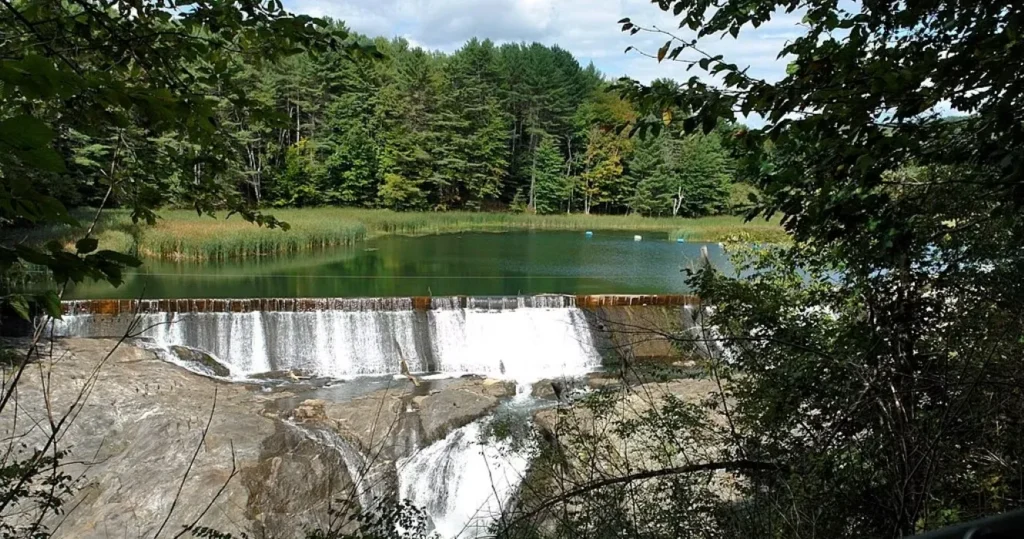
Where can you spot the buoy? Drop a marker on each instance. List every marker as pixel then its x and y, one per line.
pixel 589 233
pixel 680 240
pixel 637 238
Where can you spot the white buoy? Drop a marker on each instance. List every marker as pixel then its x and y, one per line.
pixel 637 238
pixel 589 233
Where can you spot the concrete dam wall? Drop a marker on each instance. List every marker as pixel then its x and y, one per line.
pixel 524 338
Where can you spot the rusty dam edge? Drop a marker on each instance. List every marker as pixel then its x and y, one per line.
pixel 226 305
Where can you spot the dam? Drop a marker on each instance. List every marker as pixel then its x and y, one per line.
pixel 524 338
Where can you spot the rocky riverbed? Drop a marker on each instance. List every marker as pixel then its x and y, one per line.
pixel 268 463
pixel 156 446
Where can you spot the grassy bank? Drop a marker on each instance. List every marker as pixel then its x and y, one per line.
pixel 182 235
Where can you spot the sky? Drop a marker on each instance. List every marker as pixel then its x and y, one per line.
pixel 586 28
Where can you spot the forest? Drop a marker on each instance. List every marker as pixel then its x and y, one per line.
pixel 488 127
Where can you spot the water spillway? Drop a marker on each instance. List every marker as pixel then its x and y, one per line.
pixel 525 338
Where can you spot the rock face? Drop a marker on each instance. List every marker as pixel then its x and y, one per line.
pixel 267 474
pixel 135 435
pixel 385 419
pixel 391 423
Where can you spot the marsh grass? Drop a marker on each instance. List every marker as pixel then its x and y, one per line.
pixel 183 235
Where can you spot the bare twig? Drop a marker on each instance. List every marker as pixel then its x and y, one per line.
pixel 191 462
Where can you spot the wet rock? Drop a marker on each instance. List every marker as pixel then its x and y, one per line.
pixel 452 408
pixel 569 389
pixel 200 361
pixel 383 419
pixel 287 374
pixel 603 381
pixel 556 390
pixel 637 400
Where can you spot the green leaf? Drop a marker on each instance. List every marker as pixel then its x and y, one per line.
pixel 708 123
pixel 50 303
pixel 20 306
pixel 28 138
pixel 86 245
pixel 24 133
pixel 32 256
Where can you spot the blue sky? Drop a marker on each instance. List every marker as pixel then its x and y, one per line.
pixel 587 28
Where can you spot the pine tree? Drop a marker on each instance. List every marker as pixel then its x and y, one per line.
pixel 551 186
pixel 701 176
pixel 650 174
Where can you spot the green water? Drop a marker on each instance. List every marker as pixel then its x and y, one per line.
pixel 477 264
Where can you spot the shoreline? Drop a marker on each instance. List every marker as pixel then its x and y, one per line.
pixel 182 236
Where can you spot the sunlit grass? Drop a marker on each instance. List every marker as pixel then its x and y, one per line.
pixel 183 235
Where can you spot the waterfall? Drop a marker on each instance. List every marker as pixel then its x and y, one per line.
pixel 519 338
pixel 461 482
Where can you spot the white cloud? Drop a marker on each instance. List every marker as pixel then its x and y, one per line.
pixel 588 29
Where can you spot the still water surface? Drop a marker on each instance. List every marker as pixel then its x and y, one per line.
pixel 477 264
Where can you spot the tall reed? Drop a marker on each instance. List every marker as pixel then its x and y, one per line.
pixel 182 235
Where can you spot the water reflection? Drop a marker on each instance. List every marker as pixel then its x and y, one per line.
pixel 451 264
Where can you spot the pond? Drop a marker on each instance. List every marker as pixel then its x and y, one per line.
pixel 475 264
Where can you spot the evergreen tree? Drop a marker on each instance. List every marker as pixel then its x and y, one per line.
pixel 650 175
pixel 551 186
pixel 700 177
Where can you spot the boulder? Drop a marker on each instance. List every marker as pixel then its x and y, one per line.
pixel 199 361
pixel 455 407
pixel 310 410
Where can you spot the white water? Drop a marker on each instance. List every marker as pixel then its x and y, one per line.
pixel 522 344
pixel 462 484
pixel 498 338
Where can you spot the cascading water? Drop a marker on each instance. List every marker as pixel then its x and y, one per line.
pixel 525 339
pixel 522 344
pixel 462 482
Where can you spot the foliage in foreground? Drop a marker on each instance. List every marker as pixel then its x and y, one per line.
pixel 875 361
